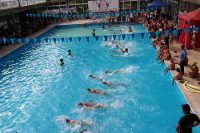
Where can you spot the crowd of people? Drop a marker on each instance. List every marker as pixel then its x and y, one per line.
pixel 26 27
pixel 164 44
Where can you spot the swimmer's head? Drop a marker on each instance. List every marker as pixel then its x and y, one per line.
pixel 61 60
pixel 69 51
pixel 67 120
pixel 80 104
pixel 126 50
pixel 91 76
pixel 89 89
pixel 93 29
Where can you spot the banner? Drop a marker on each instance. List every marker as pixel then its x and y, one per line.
pixel 103 5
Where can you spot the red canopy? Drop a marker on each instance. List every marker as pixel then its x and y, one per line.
pixel 193 17
pixel 186 21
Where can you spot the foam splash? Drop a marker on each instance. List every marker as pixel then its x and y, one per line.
pixel 117 104
pixel 60 118
pixel 127 69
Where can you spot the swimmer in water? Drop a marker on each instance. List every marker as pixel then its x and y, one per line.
pixel 115 43
pixel 84 130
pixel 69 52
pixel 122 50
pixel 61 62
pixel 94 77
pixel 73 122
pixel 90 105
pixel 115 71
pixel 93 32
pixel 95 91
pixel 78 122
pixel 130 29
pixel 109 84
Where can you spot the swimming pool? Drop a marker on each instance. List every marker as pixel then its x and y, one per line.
pixel 36 92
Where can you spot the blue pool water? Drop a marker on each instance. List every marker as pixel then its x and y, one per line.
pixel 36 93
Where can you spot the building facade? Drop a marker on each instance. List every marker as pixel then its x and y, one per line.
pixel 188 5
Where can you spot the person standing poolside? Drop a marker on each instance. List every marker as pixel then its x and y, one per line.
pixel 188 121
pixel 193 43
pixel 61 62
pixel 182 58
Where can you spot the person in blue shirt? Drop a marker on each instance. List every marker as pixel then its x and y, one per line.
pixel 182 58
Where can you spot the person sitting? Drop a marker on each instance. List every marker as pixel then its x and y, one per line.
pixel 95 91
pixel 171 66
pixel 90 104
pixel 61 62
pixel 178 76
pixel 155 42
pixel 93 32
pixel 130 29
pixel 166 55
pixel 194 70
pixel 69 52
pixel 77 122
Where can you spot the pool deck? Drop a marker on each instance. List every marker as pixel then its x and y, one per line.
pixel 192 98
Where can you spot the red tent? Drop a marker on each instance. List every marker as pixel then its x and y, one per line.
pixel 187 20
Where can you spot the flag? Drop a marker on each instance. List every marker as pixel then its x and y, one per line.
pixel 88 39
pixel 70 39
pixel 142 35
pixel 123 36
pixel 97 38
